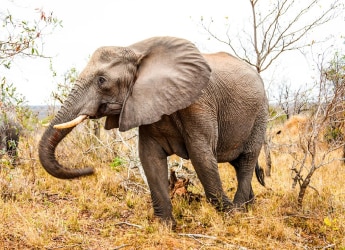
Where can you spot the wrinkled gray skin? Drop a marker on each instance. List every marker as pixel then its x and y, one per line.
pixel 9 136
pixel 208 108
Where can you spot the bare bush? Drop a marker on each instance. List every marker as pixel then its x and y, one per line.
pixel 321 134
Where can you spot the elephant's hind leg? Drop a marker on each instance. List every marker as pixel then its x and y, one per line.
pixel 201 142
pixel 206 167
pixel 244 166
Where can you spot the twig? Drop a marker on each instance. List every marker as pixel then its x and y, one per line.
pixel 199 236
pixel 196 236
pixel 122 246
pixel 126 139
pixel 297 216
pixel 129 224
pixel 330 246
pixel 63 246
pixel 138 185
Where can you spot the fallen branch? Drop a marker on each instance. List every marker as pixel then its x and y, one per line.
pixel 128 224
pixel 330 246
pixel 122 246
pixel 199 236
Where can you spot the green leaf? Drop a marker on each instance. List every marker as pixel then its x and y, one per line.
pixel 117 164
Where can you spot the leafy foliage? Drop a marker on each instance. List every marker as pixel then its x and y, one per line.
pixel 9 94
pixel 63 89
pixel 117 163
pixel 23 38
pixel 13 102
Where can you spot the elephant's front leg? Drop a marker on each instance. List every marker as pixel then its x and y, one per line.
pixel 154 161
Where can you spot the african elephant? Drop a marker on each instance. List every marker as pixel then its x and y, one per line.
pixel 208 108
pixel 10 130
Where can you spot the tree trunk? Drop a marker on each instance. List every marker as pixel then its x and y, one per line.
pixel 304 186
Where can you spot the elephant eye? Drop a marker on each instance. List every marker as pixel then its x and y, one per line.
pixel 101 80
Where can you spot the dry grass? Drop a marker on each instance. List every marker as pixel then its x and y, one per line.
pixel 112 209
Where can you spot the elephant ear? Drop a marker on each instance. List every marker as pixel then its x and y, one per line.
pixel 171 75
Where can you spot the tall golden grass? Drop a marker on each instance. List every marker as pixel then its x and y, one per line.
pixel 112 209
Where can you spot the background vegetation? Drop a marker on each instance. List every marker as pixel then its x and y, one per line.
pixel 302 206
pixel 112 209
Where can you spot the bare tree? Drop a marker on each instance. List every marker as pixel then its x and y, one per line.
pixel 277 27
pixel 293 102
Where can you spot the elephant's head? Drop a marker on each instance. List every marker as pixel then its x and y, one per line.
pixel 131 86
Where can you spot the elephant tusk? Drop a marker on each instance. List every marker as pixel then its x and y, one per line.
pixel 72 123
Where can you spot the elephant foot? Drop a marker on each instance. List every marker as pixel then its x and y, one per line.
pixel 165 218
pixel 221 205
pixel 243 206
pixel 168 222
pixel 237 206
pixel 244 200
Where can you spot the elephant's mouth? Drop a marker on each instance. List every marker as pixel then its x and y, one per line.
pixel 106 109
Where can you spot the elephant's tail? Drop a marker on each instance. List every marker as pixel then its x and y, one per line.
pixel 259 172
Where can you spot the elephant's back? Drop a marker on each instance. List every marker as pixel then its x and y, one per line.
pixel 235 71
pixel 234 83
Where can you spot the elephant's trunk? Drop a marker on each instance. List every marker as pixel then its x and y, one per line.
pixel 48 144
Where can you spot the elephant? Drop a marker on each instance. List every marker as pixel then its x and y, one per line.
pixel 10 131
pixel 209 108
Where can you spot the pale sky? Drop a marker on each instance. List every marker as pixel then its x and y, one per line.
pixel 88 25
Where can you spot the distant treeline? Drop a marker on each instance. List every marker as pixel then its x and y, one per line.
pixel 42 111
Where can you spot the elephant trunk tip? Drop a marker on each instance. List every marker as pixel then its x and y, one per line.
pixel 61 172
pixel 76 173
pixel 54 168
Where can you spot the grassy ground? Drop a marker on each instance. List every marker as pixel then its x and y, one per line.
pixel 112 209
